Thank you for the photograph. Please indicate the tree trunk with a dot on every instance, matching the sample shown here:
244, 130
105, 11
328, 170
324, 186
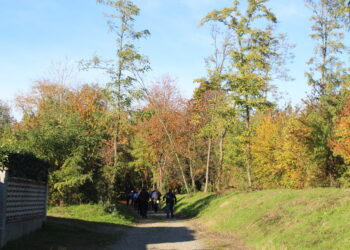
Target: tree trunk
248, 164
208, 164
115, 158
192, 175
248, 148
159, 184
221, 159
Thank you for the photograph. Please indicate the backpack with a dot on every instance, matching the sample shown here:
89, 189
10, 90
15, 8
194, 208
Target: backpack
144, 196
135, 195
169, 198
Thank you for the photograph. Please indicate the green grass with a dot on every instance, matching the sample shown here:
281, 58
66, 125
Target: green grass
78, 227
118, 214
277, 219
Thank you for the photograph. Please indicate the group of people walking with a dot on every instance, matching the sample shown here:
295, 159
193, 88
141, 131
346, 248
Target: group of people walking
143, 199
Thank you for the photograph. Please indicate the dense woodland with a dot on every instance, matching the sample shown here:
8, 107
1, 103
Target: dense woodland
101, 142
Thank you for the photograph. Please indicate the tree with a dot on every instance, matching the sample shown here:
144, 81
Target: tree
168, 107
254, 56
343, 11
211, 101
5, 115
329, 78
62, 126
129, 65
125, 71
327, 74
280, 156
340, 143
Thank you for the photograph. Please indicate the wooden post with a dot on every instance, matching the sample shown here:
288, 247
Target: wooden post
3, 185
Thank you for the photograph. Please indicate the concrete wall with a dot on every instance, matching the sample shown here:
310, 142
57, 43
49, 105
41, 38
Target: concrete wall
22, 208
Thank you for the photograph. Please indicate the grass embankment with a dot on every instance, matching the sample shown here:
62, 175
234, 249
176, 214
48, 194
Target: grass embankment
118, 214
277, 219
77, 227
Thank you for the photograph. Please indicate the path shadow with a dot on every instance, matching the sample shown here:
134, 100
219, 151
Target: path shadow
157, 232
118, 236
143, 237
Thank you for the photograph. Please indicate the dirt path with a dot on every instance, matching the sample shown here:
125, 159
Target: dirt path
156, 232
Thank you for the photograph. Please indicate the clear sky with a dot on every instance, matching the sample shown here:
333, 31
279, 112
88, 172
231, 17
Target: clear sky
34, 34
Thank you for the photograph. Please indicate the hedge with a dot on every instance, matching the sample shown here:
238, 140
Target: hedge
24, 165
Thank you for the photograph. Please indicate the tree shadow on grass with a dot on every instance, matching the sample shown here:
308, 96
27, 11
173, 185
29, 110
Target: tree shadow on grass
195, 208
67, 234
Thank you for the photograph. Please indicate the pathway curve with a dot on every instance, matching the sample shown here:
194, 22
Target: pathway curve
156, 233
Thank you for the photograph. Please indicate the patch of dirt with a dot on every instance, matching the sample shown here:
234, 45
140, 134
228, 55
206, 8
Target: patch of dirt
224, 204
158, 233
218, 240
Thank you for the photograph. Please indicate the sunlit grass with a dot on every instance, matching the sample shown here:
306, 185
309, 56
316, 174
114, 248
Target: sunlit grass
277, 219
116, 214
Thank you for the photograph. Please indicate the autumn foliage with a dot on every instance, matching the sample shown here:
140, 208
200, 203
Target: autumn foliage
102, 141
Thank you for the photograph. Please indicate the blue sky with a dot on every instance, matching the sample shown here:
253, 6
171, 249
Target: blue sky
34, 34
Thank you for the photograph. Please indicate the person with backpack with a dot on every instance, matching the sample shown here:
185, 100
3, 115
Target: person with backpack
135, 200
170, 200
143, 202
129, 197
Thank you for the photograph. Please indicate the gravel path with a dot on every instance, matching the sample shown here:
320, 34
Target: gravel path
156, 232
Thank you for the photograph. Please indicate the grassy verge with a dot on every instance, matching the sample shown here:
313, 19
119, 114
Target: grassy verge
117, 214
77, 227
277, 219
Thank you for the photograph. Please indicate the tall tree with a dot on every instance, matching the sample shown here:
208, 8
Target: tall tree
343, 10
129, 65
327, 71
210, 99
167, 103
254, 55
125, 70
328, 77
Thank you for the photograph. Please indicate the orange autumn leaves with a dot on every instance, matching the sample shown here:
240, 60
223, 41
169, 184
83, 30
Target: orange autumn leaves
340, 142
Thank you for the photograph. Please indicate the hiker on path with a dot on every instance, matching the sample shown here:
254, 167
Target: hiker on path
129, 197
143, 202
135, 200
156, 195
170, 200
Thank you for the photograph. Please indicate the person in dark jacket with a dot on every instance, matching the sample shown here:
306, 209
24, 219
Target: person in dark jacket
170, 200
135, 197
129, 198
143, 199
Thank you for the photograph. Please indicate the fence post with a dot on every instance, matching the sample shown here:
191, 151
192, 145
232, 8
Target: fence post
3, 187
47, 200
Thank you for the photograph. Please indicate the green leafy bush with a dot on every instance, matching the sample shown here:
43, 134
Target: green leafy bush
24, 165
